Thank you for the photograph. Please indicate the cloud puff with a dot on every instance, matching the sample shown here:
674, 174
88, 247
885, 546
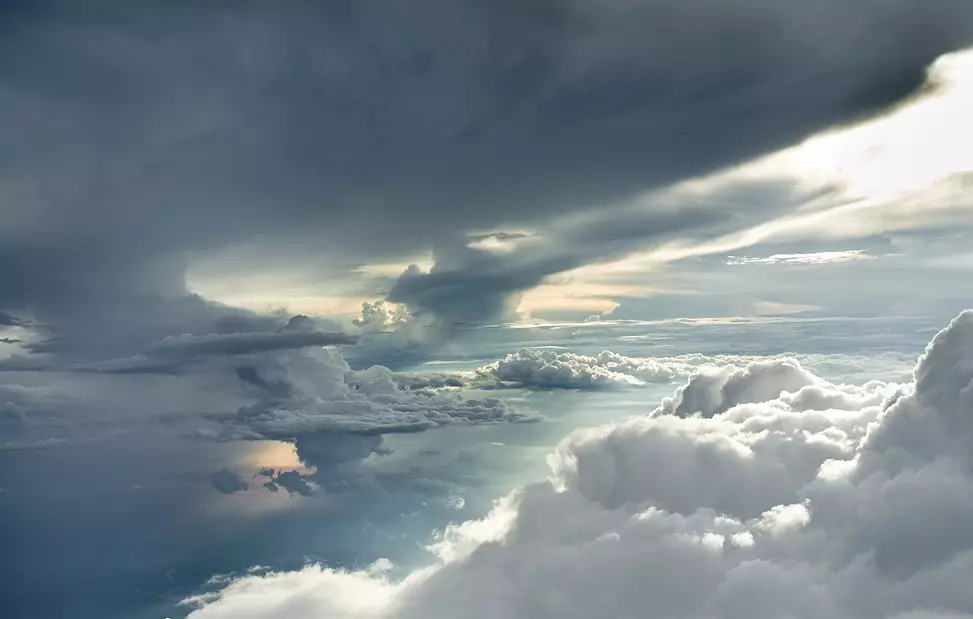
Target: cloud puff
775, 504
712, 392
228, 482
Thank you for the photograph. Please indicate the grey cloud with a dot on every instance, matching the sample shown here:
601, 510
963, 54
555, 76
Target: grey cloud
13, 418
470, 285
173, 353
230, 344
143, 137
336, 417
292, 481
228, 482
7, 320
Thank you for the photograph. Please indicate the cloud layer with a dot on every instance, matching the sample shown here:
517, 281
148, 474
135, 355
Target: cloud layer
554, 369
722, 380
336, 416
325, 137
804, 500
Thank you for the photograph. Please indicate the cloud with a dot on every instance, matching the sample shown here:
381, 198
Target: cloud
336, 417
321, 139
228, 482
779, 505
173, 354
713, 392
230, 344
471, 286
716, 382
381, 316
823, 257
550, 369
292, 481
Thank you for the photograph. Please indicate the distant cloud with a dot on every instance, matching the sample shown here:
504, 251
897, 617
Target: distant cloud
173, 353
715, 382
231, 344
550, 369
228, 482
336, 416
824, 257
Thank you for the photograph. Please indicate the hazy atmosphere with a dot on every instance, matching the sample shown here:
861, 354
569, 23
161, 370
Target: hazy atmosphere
499, 309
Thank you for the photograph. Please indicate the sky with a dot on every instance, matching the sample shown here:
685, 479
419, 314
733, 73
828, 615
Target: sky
531, 308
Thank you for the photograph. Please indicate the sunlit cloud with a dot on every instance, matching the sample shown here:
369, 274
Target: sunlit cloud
499, 241
920, 143
821, 257
910, 169
579, 294
394, 269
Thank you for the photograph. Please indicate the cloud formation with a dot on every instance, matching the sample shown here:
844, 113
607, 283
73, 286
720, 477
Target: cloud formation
822, 257
779, 505
336, 417
719, 380
554, 369
228, 482
328, 137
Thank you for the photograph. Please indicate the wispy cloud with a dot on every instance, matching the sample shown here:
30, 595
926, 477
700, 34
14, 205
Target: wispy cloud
821, 257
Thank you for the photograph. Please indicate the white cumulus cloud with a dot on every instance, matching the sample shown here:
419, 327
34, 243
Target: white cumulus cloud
787, 497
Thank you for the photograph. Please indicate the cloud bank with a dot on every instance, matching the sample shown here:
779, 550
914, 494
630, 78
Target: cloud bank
336, 416
722, 380
552, 369
815, 501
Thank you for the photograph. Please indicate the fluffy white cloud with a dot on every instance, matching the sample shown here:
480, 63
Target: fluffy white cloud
716, 390
545, 368
552, 369
787, 497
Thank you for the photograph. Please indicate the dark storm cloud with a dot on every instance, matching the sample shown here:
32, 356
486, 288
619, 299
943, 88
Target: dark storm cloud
135, 133
228, 482
474, 285
6, 320
470, 284
173, 353
183, 346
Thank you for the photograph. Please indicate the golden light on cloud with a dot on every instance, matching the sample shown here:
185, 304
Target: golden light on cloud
577, 294
273, 455
896, 172
295, 304
918, 144
394, 269
500, 241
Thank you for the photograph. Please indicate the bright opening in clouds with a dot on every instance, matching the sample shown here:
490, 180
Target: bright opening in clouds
492, 309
